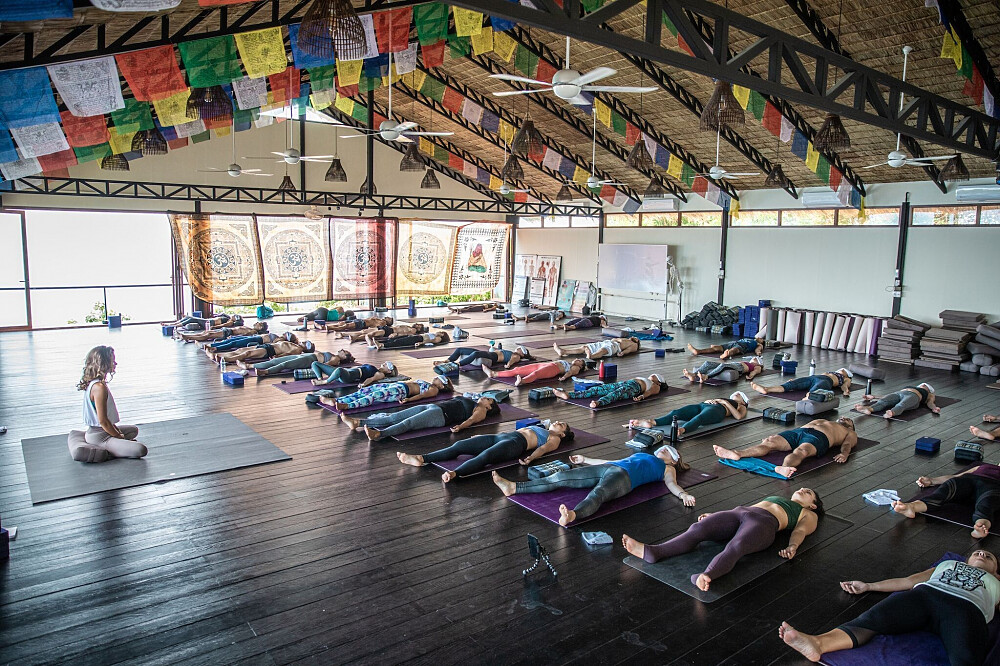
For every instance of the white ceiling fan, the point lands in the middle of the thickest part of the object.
(719, 173)
(898, 158)
(290, 155)
(593, 182)
(568, 84)
(234, 169)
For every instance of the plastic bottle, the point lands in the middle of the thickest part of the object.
(812, 367)
(222, 365)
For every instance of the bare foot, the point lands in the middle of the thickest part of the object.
(566, 516)
(407, 459)
(559, 393)
(757, 387)
(691, 349)
(723, 452)
(633, 547)
(593, 404)
(448, 476)
(340, 407)
(904, 508)
(979, 432)
(372, 433)
(555, 346)
(243, 365)
(804, 644)
(981, 529)
(505, 486)
(349, 420)
(888, 414)
(688, 374)
(785, 470)
(864, 409)
(701, 378)
(702, 582)
(517, 380)
(261, 372)
(987, 418)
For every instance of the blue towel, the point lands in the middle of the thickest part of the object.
(756, 466)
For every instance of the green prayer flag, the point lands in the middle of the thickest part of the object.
(245, 116)
(135, 116)
(823, 170)
(687, 174)
(525, 61)
(366, 84)
(360, 113)
(204, 136)
(458, 47)
(433, 89)
(592, 5)
(322, 78)
(441, 154)
(669, 25)
(618, 124)
(756, 105)
(966, 69)
(431, 20)
(91, 153)
(210, 62)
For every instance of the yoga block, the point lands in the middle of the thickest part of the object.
(779, 415)
(867, 371)
(766, 303)
(821, 395)
(659, 353)
(547, 469)
(613, 332)
(990, 370)
(114, 321)
(966, 452)
(196, 313)
(969, 366)
(524, 423)
(982, 359)
(4, 544)
(541, 393)
(812, 407)
(381, 309)
(584, 384)
(499, 315)
(789, 367)
(609, 371)
(435, 320)
(232, 378)
(167, 330)
(776, 362)
(927, 445)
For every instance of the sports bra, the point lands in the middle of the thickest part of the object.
(457, 410)
(792, 509)
(924, 393)
(564, 366)
(541, 433)
(421, 384)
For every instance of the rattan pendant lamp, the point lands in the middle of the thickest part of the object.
(832, 135)
(332, 27)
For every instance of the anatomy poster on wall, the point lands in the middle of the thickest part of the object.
(548, 269)
(580, 295)
(564, 299)
(524, 264)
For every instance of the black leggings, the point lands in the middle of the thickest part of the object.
(486, 449)
(959, 624)
(466, 355)
(982, 494)
(403, 341)
(319, 314)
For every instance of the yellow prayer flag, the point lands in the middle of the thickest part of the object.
(734, 209)
(467, 22)
(603, 112)
(348, 72)
(504, 46)
(862, 214)
(742, 95)
(223, 131)
(172, 110)
(675, 167)
(483, 42)
(426, 147)
(262, 52)
(951, 48)
(495, 182)
(121, 142)
(506, 131)
(581, 175)
(418, 79)
(812, 158)
(344, 104)
(322, 99)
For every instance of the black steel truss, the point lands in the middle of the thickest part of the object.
(828, 40)
(874, 96)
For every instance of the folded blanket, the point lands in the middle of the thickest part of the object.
(755, 465)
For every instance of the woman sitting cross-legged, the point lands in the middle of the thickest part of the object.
(692, 417)
(726, 371)
(401, 392)
(828, 381)
(105, 437)
(533, 372)
(411, 341)
(363, 375)
(744, 530)
(978, 487)
(726, 350)
(954, 600)
(458, 413)
(637, 389)
(305, 361)
(495, 355)
(600, 349)
(535, 441)
(610, 479)
(902, 400)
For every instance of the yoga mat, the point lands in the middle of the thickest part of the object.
(500, 366)
(581, 439)
(177, 449)
(306, 385)
(795, 396)
(585, 402)
(717, 382)
(952, 512)
(554, 381)
(423, 320)
(572, 340)
(705, 430)
(386, 405)
(940, 400)
(507, 413)
(676, 571)
(503, 335)
(546, 505)
(775, 458)
(434, 352)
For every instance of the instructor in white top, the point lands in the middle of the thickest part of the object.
(106, 438)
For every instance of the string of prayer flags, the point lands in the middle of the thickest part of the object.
(133, 117)
(152, 73)
(392, 29)
(81, 132)
(26, 98)
(38, 140)
(35, 10)
(88, 87)
(210, 62)
(262, 52)
(468, 22)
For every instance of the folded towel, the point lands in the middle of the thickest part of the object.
(755, 465)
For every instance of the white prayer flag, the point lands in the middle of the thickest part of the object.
(472, 111)
(470, 169)
(250, 93)
(190, 129)
(405, 60)
(650, 145)
(787, 129)
(263, 121)
(988, 101)
(20, 169)
(551, 159)
(620, 199)
(38, 140)
(371, 44)
(135, 5)
(712, 193)
(88, 87)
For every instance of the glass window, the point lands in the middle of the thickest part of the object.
(555, 220)
(659, 219)
(529, 222)
(585, 221)
(621, 220)
(701, 219)
(756, 218)
(989, 215)
(943, 216)
(874, 217)
(808, 218)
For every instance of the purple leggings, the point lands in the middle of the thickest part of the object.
(748, 529)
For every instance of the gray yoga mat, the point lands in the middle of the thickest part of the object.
(706, 430)
(177, 449)
(676, 571)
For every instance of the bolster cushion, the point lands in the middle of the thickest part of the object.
(867, 371)
(812, 407)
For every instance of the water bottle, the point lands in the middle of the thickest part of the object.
(412, 309)
(673, 431)
(600, 370)
(222, 365)
(812, 367)
(868, 387)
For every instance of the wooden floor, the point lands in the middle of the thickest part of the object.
(344, 555)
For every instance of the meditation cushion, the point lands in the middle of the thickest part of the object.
(867, 371)
(811, 407)
(990, 370)
(83, 452)
(982, 359)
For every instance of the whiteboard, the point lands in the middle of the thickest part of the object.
(641, 268)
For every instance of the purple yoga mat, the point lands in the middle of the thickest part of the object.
(305, 386)
(572, 340)
(581, 439)
(585, 402)
(520, 333)
(507, 413)
(716, 382)
(906, 417)
(440, 353)
(952, 512)
(554, 381)
(546, 505)
(386, 405)
(815, 462)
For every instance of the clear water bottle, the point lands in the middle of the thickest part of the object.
(222, 365)
(812, 367)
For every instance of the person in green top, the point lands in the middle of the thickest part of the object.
(744, 530)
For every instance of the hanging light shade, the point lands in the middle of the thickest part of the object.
(565, 194)
(336, 173)
(954, 170)
(832, 136)
(364, 188)
(655, 189)
(639, 158)
(209, 104)
(332, 26)
(722, 109)
(149, 142)
(115, 163)
(776, 177)
(286, 184)
(528, 140)
(512, 170)
(430, 181)
(411, 160)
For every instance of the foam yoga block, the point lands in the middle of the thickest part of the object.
(811, 407)
(867, 371)
(982, 359)
(612, 332)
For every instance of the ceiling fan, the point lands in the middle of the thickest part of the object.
(719, 173)
(290, 155)
(234, 169)
(898, 158)
(568, 84)
(593, 182)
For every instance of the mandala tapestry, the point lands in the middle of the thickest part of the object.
(362, 252)
(425, 256)
(296, 257)
(479, 257)
(221, 256)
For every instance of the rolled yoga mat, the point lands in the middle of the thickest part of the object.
(952, 512)
(817, 332)
(808, 326)
(765, 465)
(907, 416)
(793, 324)
(387, 405)
(177, 449)
(546, 505)
(581, 439)
(828, 326)
(676, 571)
(585, 402)
(782, 319)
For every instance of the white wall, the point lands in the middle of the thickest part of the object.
(577, 247)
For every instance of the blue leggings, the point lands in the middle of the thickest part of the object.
(237, 342)
(609, 393)
(336, 374)
(692, 417)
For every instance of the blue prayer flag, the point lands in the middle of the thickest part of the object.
(800, 145)
(302, 59)
(26, 98)
(35, 10)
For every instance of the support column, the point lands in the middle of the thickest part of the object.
(302, 151)
(904, 230)
(723, 247)
(371, 142)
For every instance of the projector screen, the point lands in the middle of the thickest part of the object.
(641, 268)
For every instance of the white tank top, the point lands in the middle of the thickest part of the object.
(967, 582)
(90, 412)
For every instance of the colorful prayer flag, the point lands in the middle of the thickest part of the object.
(433, 54)
(262, 52)
(210, 62)
(304, 59)
(173, 110)
(431, 20)
(88, 87)
(26, 98)
(135, 116)
(152, 73)
(467, 22)
(503, 45)
(525, 61)
(482, 42)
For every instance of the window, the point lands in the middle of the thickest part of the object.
(808, 218)
(701, 219)
(756, 218)
(659, 219)
(989, 215)
(529, 222)
(621, 220)
(874, 217)
(585, 221)
(558, 221)
(943, 216)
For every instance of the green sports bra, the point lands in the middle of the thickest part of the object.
(792, 509)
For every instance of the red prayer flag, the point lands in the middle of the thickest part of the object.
(174, 144)
(216, 123)
(57, 162)
(348, 91)
(545, 71)
(83, 132)
(285, 86)
(608, 193)
(392, 29)
(433, 54)
(684, 46)
(152, 73)
(536, 157)
(520, 197)
(700, 185)
(632, 133)
(974, 86)
(835, 178)
(772, 119)
(379, 119)
(453, 100)
(56, 173)
(456, 162)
